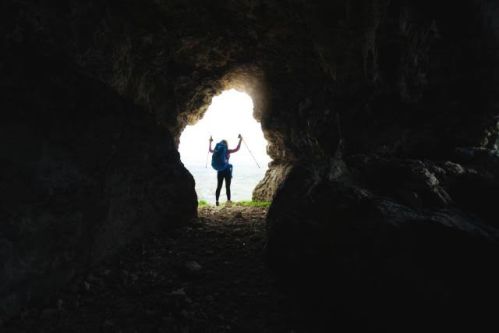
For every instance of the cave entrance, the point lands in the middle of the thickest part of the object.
(229, 114)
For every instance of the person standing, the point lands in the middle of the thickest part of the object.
(220, 162)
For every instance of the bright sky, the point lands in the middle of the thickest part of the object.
(229, 114)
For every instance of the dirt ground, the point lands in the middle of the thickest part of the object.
(207, 277)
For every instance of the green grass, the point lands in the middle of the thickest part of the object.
(203, 203)
(253, 203)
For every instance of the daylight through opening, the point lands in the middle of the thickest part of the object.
(230, 114)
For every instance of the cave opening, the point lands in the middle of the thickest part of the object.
(231, 113)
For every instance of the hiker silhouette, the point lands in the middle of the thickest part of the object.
(220, 162)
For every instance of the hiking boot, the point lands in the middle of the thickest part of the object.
(217, 203)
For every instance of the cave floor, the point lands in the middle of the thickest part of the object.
(206, 277)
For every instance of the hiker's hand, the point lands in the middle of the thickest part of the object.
(211, 139)
(240, 137)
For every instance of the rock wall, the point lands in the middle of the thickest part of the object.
(385, 216)
(387, 242)
(83, 172)
(274, 176)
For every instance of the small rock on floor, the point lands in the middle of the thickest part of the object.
(193, 266)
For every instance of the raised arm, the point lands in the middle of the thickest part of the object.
(238, 145)
(209, 147)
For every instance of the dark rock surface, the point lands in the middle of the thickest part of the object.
(385, 250)
(82, 173)
(274, 176)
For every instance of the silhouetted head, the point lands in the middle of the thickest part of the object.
(225, 142)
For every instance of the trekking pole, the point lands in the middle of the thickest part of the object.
(251, 153)
(207, 156)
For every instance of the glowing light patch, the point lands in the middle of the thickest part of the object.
(229, 114)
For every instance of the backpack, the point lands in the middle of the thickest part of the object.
(219, 158)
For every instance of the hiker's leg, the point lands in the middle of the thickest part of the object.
(220, 179)
(228, 178)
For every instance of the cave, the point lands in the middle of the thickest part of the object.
(382, 122)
